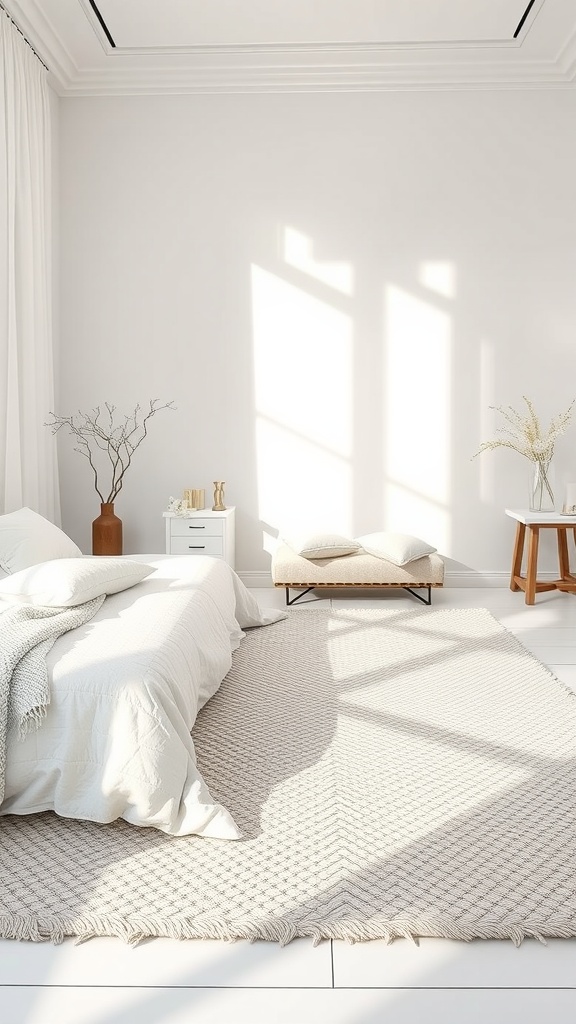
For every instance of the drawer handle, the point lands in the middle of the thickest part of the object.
(196, 547)
(196, 527)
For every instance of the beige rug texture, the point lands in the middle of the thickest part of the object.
(394, 772)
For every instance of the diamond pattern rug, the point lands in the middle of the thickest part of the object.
(394, 773)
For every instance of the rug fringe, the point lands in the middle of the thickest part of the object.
(135, 930)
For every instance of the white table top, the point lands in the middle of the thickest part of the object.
(199, 513)
(524, 515)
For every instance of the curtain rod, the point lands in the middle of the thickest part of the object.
(27, 41)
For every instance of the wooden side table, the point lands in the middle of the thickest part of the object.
(534, 522)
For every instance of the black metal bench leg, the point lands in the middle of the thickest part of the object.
(293, 600)
(425, 600)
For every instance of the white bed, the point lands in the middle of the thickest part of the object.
(125, 690)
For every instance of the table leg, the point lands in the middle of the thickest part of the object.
(563, 558)
(517, 556)
(534, 532)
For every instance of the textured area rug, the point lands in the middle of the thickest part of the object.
(394, 773)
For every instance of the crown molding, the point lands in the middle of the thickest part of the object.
(566, 59)
(349, 78)
(326, 67)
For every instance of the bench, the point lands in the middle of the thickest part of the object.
(293, 572)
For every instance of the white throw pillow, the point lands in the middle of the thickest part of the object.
(26, 538)
(398, 548)
(322, 545)
(65, 582)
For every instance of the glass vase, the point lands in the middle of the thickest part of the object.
(541, 484)
(569, 503)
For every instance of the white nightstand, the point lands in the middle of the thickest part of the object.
(201, 533)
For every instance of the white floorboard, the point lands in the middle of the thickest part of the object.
(561, 636)
(167, 962)
(567, 673)
(558, 654)
(439, 981)
(100, 1005)
(446, 963)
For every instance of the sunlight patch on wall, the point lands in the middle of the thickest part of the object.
(407, 512)
(301, 485)
(417, 404)
(302, 362)
(439, 276)
(298, 251)
(303, 395)
(269, 542)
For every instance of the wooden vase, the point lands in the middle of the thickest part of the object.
(107, 532)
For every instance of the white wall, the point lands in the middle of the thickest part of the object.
(333, 289)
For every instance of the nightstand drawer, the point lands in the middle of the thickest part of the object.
(206, 532)
(196, 527)
(197, 545)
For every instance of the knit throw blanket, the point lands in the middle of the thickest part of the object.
(27, 632)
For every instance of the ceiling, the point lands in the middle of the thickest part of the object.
(114, 47)
(137, 24)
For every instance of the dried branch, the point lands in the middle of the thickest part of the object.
(525, 434)
(97, 431)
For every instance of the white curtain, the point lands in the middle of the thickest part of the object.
(28, 467)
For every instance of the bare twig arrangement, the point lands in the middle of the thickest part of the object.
(98, 431)
(525, 435)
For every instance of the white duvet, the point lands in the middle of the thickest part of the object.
(125, 691)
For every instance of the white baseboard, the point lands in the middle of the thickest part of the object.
(259, 580)
(488, 578)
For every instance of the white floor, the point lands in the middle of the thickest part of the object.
(437, 982)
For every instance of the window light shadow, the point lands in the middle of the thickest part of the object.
(417, 417)
(303, 373)
(298, 252)
(310, 360)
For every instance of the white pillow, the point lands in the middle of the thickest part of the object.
(26, 538)
(398, 548)
(322, 545)
(64, 582)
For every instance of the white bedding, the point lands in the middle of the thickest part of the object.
(126, 689)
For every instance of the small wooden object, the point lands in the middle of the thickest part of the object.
(219, 505)
(195, 497)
